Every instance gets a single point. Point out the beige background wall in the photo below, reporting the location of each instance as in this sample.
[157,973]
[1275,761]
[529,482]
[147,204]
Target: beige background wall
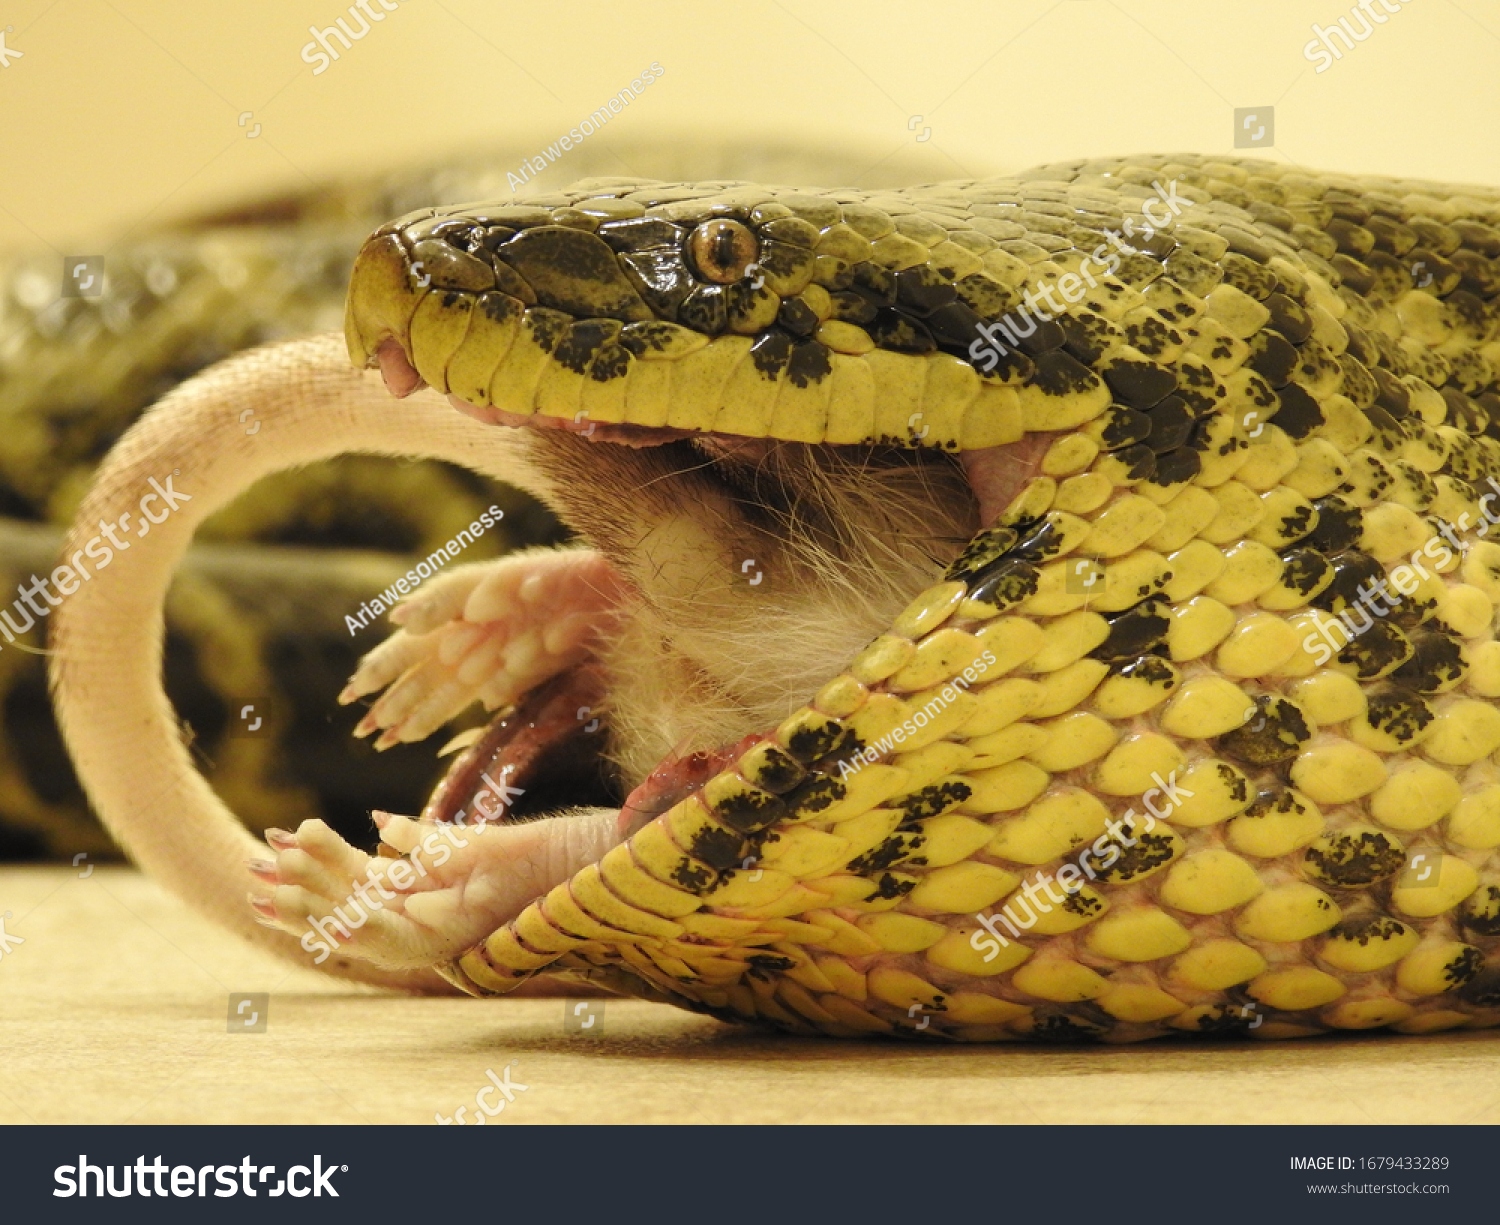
[116,110]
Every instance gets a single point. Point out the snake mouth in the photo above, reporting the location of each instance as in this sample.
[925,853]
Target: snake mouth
[627,332]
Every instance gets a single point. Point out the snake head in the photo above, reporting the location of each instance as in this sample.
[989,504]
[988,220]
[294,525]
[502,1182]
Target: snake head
[772,314]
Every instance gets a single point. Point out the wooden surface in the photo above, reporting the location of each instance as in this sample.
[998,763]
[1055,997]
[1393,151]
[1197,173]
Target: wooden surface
[115,1010]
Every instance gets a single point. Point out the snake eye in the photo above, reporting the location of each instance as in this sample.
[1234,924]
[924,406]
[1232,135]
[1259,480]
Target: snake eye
[722,250]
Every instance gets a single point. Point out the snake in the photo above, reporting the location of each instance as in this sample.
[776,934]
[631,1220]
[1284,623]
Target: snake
[1046,607]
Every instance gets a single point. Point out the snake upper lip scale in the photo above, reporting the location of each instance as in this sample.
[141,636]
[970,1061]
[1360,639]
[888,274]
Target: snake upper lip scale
[897,784]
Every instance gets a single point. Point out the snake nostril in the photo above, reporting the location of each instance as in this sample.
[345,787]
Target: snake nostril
[722,250]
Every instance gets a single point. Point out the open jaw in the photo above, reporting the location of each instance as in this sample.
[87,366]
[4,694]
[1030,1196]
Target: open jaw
[708,340]
[542,754]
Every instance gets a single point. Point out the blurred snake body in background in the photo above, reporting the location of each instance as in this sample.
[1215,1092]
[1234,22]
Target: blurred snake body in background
[1055,606]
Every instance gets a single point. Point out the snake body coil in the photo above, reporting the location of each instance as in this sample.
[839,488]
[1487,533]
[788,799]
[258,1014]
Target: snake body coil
[1197,733]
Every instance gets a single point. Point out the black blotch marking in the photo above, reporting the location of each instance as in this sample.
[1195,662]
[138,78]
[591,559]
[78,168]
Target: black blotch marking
[986,297]
[766,964]
[955,327]
[813,741]
[1299,414]
[776,772]
[1305,571]
[548,328]
[932,801]
[1484,988]
[1340,524]
[1391,393]
[894,331]
[1139,462]
[574,271]
[1058,374]
[1139,384]
[695,878]
[1228,1019]
[1289,318]
[898,848]
[1275,731]
[611,362]
[809,363]
[578,348]
[1151,669]
[1379,650]
[985,549]
[797,317]
[1038,539]
[921,290]
[892,886]
[1362,347]
[1353,572]
[1122,427]
[1296,524]
[852,306]
[1060,1027]
[875,283]
[1248,276]
[1462,967]
[1152,336]
[1389,435]
[1011,582]
[498,307]
[1398,713]
[1135,631]
[705,310]
[784,261]
[1481,911]
[771,353]
[1176,467]
[1272,357]
[661,278]
[1202,402]
[1151,850]
[1368,929]
[1238,787]
[1355,275]
[1046,335]
[1171,425]
[1489,403]
[1353,859]
[813,794]
[1437,664]
[719,848]
[1463,413]
[750,811]
[654,336]
[1087,335]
